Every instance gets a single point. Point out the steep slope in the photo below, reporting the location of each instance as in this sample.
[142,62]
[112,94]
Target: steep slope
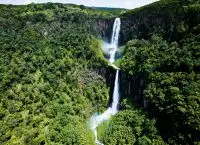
[161,67]
[52,74]
[173,19]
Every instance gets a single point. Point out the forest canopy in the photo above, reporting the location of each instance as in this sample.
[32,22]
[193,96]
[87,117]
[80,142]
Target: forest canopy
[54,76]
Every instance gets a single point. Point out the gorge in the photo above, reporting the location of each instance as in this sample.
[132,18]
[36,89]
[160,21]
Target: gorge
[54,76]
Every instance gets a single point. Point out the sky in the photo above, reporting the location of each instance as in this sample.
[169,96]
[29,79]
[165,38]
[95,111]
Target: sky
[129,4]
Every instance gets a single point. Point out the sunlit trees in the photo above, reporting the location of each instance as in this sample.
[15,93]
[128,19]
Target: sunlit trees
[131,127]
[48,88]
[172,88]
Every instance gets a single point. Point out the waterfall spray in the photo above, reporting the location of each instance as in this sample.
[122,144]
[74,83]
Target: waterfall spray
[97,120]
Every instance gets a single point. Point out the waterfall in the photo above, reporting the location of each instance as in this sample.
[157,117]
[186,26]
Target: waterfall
[96,120]
[115,102]
[114,39]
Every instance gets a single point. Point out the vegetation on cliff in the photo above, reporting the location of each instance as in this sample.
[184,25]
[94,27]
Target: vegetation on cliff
[172,18]
[48,87]
[130,126]
[171,73]
[50,81]
[164,55]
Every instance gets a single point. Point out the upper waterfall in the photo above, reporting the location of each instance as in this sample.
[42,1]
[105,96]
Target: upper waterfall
[114,39]
[115,33]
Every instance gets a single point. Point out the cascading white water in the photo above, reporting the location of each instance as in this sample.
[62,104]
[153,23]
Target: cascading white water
[114,39]
[115,102]
[96,120]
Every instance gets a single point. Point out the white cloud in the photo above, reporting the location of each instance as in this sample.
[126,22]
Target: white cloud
[128,2]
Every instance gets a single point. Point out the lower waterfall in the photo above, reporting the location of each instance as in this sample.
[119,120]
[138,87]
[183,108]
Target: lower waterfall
[97,120]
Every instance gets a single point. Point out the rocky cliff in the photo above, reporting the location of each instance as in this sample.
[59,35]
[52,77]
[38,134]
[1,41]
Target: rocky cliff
[172,19]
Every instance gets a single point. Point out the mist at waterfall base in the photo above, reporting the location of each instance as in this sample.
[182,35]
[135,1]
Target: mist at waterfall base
[96,120]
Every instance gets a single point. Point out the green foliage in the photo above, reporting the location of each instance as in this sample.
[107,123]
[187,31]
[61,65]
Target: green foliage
[48,88]
[69,130]
[144,57]
[102,129]
[50,83]
[131,127]
[167,63]
[117,62]
[177,94]
[171,71]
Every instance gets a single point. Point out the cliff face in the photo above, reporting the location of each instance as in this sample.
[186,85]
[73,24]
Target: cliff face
[105,27]
[108,73]
[132,87]
[172,19]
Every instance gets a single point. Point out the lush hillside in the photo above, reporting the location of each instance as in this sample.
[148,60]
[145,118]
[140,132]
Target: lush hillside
[53,75]
[163,62]
[48,83]
[171,75]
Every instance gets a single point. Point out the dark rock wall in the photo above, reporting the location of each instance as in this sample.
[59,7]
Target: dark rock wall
[108,73]
[172,20]
[105,28]
[132,87]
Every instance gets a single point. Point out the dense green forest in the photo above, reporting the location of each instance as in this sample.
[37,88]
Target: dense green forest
[54,76]
[49,86]
[166,57]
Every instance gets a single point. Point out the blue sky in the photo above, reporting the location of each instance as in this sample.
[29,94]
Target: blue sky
[130,4]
